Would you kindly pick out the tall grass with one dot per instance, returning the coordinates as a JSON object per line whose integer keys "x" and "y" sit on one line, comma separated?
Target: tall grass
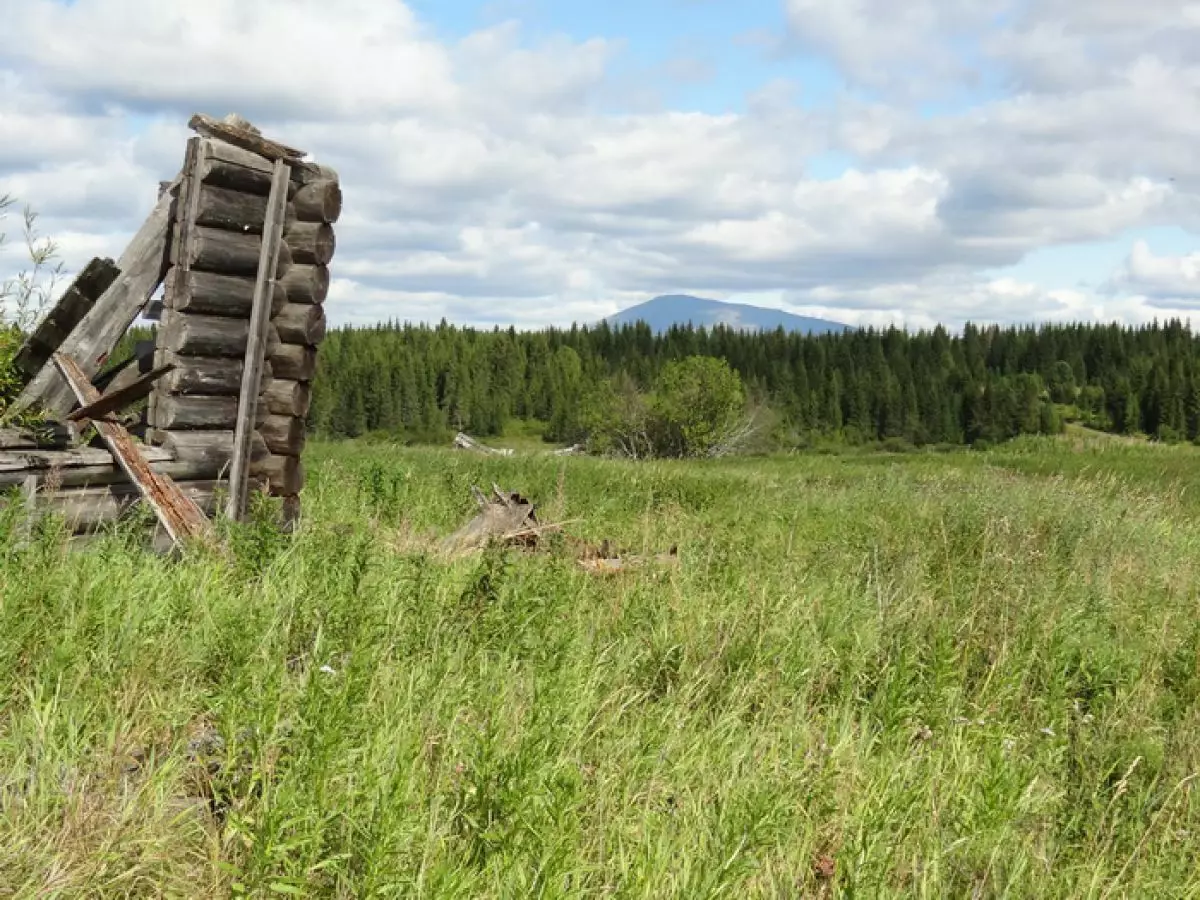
{"x": 940, "y": 675}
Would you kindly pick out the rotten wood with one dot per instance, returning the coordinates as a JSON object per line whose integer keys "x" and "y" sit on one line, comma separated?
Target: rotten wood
{"x": 249, "y": 139}
{"x": 284, "y": 435}
{"x": 210, "y": 447}
{"x": 284, "y": 475}
{"x": 234, "y": 210}
{"x": 179, "y": 514}
{"x": 217, "y": 377}
{"x": 240, "y": 170}
{"x": 60, "y": 475}
{"x": 142, "y": 267}
{"x": 211, "y": 336}
{"x": 47, "y": 435}
{"x": 178, "y": 412}
{"x": 87, "y": 509}
{"x": 257, "y": 348}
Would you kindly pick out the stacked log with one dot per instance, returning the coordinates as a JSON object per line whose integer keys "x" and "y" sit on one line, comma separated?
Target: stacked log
{"x": 298, "y": 325}
{"x": 207, "y": 303}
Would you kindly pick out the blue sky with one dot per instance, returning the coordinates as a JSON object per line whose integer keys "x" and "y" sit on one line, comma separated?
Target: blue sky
{"x": 544, "y": 161}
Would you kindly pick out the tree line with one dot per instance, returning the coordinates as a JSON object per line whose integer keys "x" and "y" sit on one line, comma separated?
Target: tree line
{"x": 989, "y": 384}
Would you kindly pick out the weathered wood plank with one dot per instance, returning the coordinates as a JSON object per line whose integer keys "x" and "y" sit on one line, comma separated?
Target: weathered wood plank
{"x": 120, "y": 397}
{"x": 288, "y": 398}
{"x": 213, "y": 294}
{"x": 311, "y": 243}
{"x": 142, "y": 267}
{"x": 89, "y": 508}
{"x": 294, "y": 362}
{"x": 226, "y": 253}
{"x": 306, "y": 284}
{"x": 251, "y": 140}
{"x": 52, "y": 478}
{"x": 68, "y": 312}
{"x": 257, "y": 349}
{"x": 128, "y": 372}
{"x": 301, "y": 323}
{"x": 318, "y": 201}
{"x": 180, "y": 515}
{"x": 47, "y": 435}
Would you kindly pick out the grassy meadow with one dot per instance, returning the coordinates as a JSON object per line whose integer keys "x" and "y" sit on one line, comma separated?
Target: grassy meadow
{"x": 951, "y": 674}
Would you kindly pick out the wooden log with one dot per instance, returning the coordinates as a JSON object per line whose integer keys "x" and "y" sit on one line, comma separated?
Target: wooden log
{"x": 301, "y": 323}
{"x": 306, "y": 284}
{"x": 226, "y": 253}
{"x": 212, "y": 294}
{"x": 89, "y": 508}
{"x": 178, "y": 513}
{"x": 213, "y": 447}
{"x": 177, "y": 412}
{"x": 189, "y": 335}
{"x": 284, "y": 475}
{"x": 288, "y": 398}
{"x": 283, "y": 434}
{"x": 311, "y": 243}
{"x": 234, "y": 210}
{"x": 17, "y": 461}
{"x": 72, "y": 306}
{"x": 50, "y": 479}
{"x": 214, "y": 377}
{"x": 318, "y": 201}
{"x": 226, "y": 166}
{"x": 142, "y": 268}
{"x": 294, "y": 362}
{"x": 47, "y": 435}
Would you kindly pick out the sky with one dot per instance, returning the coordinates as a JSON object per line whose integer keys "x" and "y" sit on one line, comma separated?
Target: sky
{"x": 543, "y": 162}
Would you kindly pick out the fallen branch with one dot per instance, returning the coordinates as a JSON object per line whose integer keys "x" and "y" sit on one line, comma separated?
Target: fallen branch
{"x": 466, "y": 442}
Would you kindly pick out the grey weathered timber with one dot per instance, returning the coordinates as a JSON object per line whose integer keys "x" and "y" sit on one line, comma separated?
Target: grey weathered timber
{"x": 311, "y": 243}
{"x": 294, "y": 362}
{"x": 288, "y": 398}
{"x": 318, "y": 201}
{"x": 213, "y": 294}
{"x": 283, "y": 434}
{"x": 207, "y": 376}
{"x": 48, "y": 435}
{"x": 182, "y": 413}
{"x": 86, "y": 509}
{"x": 284, "y": 474}
{"x": 129, "y": 371}
{"x": 226, "y": 253}
{"x": 53, "y": 477}
{"x": 120, "y": 396}
{"x": 306, "y": 284}
{"x": 290, "y": 513}
{"x": 210, "y": 336}
{"x": 70, "y": 309}
{"x": 208, "y": 446}
{"x": 257, "y": 349}
{"x": 301, "y": 323}
{"x": 142, "y": 267}
{"x": 251, "y": 140}
{"x": 234, "y": 210}
{"x": 180, "y": 515}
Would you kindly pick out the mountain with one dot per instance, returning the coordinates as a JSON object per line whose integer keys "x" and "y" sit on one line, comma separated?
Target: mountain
{"x": 680, "y": 309}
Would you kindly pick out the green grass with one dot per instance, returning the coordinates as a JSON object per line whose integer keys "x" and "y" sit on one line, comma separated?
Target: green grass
{"x": 933, "y": 675}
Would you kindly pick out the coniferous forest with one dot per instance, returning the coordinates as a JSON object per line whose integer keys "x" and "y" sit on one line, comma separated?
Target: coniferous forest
{"x": 985, "y": 384}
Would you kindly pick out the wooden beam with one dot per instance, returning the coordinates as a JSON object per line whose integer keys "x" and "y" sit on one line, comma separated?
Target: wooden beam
{"x": 248, "y": 139}
{"x": 120, "y": 397}
{"x": 179, "y": 514}
{"x": 142, "y": 267}
{"x": 256, "y": 349}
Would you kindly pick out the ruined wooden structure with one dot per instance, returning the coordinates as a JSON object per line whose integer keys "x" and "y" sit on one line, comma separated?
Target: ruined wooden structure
{"x": 239, "y": 243}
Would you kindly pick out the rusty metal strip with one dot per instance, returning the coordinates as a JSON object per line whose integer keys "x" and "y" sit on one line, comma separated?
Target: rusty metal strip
{"x": 179, "y": 514}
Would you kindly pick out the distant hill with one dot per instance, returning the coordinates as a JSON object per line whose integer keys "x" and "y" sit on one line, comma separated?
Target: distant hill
{"x": 680, "y": 309}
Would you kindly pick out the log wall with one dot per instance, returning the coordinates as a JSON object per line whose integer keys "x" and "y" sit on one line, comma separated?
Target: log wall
{"x": 207, "y": 303}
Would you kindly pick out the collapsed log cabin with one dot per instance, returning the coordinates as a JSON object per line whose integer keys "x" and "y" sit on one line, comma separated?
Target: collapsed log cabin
{"x": 240, "y": 243}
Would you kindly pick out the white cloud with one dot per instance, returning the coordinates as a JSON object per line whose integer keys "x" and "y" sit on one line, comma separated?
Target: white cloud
{"x": 1159, "y": 281}
{"x": 487, "y": 179}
